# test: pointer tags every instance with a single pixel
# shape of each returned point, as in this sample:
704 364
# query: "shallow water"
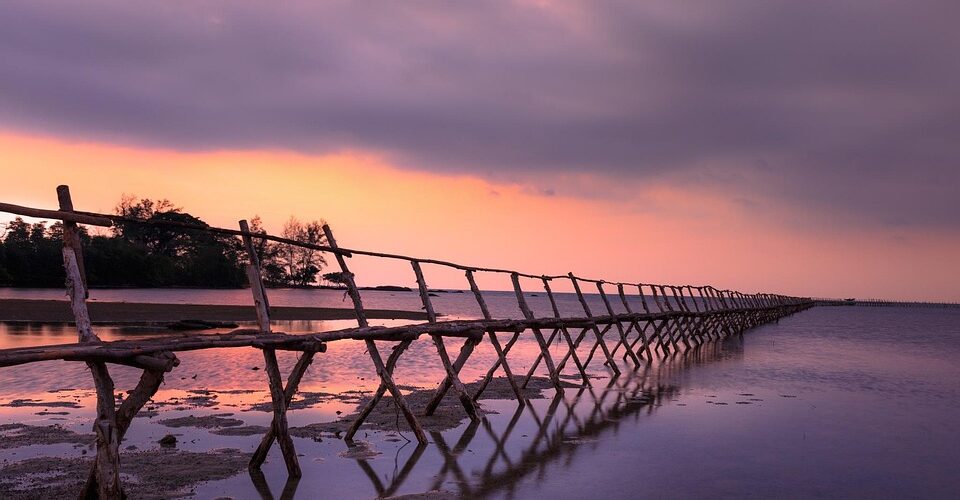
451 304
838 402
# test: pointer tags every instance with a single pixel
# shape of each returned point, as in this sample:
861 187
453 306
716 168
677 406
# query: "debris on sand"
245 430
448 415
199 324
359 450
168 441
214 421
153 474
303 400
17 435
19 403
427 495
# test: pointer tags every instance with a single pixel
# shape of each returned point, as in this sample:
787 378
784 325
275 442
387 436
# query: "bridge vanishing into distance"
637 324
885 303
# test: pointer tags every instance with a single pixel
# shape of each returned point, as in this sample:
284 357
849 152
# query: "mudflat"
58 311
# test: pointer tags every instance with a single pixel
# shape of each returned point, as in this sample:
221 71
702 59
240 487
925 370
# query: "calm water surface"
832 402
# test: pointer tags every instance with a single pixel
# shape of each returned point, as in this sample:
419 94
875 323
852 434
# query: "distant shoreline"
58 311
377 288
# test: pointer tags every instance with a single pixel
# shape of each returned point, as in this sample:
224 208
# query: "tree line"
153 255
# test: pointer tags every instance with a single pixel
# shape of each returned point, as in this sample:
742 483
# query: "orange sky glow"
659 233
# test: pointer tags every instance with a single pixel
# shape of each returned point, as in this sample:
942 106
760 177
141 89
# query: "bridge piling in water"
679 322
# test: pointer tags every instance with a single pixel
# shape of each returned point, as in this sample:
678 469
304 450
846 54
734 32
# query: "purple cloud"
846 106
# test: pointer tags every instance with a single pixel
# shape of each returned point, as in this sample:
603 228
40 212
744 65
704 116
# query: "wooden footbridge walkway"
673 319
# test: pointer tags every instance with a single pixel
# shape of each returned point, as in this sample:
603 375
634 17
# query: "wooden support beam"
623 334
386 377
641 331
279 425
571 345
105 426
452 379
544 348
501 352
293 383
146 388
280 396
63 215
586 310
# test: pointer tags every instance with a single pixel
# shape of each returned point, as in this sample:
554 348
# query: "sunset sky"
808 148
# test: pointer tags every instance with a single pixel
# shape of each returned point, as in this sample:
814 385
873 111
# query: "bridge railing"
674 319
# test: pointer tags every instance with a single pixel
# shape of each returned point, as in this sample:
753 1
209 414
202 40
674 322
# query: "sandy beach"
58 311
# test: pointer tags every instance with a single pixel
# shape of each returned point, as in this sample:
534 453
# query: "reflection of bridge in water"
651 322
567 425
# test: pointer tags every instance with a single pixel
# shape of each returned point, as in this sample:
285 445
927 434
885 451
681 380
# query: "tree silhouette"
155 255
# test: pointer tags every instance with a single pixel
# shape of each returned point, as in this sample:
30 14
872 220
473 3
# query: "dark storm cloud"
850 107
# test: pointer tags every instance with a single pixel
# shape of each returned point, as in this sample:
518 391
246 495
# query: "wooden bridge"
674 319
885 303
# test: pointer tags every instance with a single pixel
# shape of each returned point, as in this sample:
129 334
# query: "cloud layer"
842 107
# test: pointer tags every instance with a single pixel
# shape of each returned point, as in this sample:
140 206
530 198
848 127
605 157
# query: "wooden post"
386 377
255 278
686 326
544 347
641 332
571 345
599 335
674 327
664 323
105 426
643 298
279 428
501 352
623 334
452 379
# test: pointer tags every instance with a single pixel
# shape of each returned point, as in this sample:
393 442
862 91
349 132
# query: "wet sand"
58 311
170 472
152 474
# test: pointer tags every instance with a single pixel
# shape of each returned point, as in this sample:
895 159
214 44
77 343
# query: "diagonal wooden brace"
603 345
544 347
387 384
501 352
293 383
452 374
280 413
501 361
441 391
